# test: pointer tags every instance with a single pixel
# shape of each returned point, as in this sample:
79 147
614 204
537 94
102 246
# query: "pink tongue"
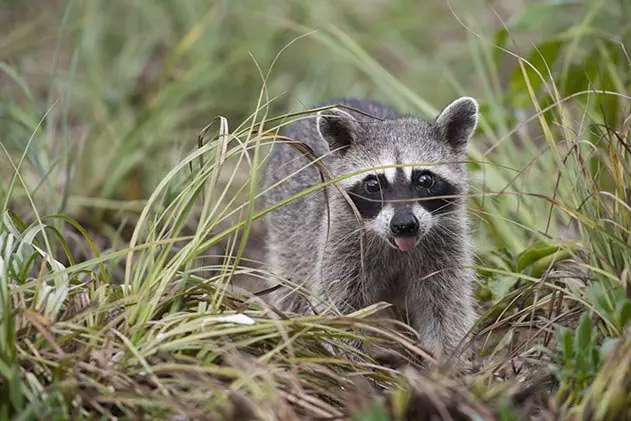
405 243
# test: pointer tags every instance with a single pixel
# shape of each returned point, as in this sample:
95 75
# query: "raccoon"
410 245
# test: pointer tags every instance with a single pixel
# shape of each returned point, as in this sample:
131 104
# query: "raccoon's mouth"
404 243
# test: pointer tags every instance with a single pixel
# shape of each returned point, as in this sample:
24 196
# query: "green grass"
132 135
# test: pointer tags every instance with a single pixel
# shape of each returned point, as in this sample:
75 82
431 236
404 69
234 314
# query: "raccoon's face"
421 180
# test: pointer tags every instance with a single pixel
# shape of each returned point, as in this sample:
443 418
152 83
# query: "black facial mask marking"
441 187
402 192
369 204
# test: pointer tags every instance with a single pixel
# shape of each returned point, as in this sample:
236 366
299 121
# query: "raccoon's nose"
404 224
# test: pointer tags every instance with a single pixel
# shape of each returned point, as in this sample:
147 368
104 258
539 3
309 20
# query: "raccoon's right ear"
338 128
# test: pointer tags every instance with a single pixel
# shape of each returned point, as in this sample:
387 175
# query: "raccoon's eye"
424 180
371 185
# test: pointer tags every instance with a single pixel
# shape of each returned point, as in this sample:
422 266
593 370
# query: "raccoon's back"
368 107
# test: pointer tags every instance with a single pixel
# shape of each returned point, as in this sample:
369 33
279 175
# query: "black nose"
404 224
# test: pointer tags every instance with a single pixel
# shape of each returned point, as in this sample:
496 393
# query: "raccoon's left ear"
457 122
338 128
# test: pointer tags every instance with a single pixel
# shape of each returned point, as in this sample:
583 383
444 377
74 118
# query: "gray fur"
432 283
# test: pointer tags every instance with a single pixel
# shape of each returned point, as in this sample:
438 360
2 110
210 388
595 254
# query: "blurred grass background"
127 86
131 84
99 100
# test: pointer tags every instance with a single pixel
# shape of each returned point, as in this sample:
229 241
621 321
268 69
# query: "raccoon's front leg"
442 316
339 296
337 283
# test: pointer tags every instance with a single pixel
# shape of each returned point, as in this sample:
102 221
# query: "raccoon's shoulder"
367 106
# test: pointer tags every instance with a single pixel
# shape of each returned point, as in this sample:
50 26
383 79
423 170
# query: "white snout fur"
381 224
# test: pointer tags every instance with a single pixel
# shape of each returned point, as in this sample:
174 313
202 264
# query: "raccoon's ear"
337 127
457 122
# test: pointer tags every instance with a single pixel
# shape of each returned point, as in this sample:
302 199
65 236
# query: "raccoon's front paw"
389 358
